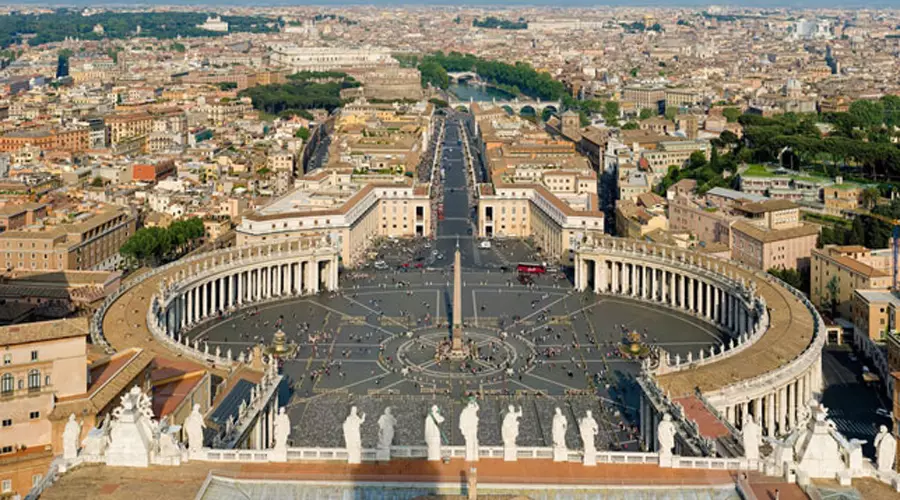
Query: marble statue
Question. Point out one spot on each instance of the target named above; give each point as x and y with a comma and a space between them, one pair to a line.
433, 433
282, 429
194, 426
468, 426
560, 426
588, 429
885, 450
133, 435
750, 436
665, 435
352, 438
71, 436
510, 432
386, 424
169, 449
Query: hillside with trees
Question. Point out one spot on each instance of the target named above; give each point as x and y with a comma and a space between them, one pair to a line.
63, 23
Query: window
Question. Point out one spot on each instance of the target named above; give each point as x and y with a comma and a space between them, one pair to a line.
34, 415
34, 355
6, 485
7, 422
7, 359
7, 383
34, 379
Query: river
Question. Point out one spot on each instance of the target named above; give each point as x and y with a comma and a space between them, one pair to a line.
464, 92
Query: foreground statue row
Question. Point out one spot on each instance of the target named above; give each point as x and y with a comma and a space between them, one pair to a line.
468, 427
130, 437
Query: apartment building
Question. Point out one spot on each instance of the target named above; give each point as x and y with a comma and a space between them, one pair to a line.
645, 215
850, 268
539, 187
16, 216
92, 242
874, 313
46, 139
770, 235
705, 224
42, 362
165, 126
645, 97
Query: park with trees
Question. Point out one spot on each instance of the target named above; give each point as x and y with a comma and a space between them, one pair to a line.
153, 246
65, 23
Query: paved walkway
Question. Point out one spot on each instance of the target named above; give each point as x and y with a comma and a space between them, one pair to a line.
113, 483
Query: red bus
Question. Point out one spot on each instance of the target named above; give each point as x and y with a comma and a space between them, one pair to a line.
531, 268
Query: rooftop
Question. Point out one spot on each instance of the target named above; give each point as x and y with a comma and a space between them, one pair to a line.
43, 331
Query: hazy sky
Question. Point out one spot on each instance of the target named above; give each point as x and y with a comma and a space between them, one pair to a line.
499, 3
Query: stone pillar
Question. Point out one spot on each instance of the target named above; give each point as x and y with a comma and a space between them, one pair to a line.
717, 313
770, 414
791, 403
654, 284
689, 292
615, 277
221, 282
314, 276
782, 410
671, 288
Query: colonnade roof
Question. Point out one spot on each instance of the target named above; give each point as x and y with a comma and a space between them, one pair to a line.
790, 332
125, 321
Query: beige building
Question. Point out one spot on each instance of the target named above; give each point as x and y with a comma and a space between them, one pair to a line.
635, 219
91, 243
771, 236
852, 268
874, 312
644, 97
334, 203
704, 224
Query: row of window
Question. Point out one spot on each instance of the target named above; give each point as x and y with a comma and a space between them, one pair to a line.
6, 484
7, 358
8, 382
7, 422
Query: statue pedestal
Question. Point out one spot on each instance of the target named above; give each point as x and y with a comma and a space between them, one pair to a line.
590, 458
383, 454
278, 455
510, 453
666, 461
560, 455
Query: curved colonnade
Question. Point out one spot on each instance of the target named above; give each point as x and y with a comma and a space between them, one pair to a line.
769, 368
187, 293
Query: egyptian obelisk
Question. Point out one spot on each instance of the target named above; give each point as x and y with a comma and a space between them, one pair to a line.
457, 333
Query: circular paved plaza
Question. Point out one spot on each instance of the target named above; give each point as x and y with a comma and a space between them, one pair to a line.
374, 343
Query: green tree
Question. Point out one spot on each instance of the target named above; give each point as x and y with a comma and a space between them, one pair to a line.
632, 125
671, 113
834, 293
731, 114
645, 114
869, 197
867, 113
302, 133
611, 113
97, 182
